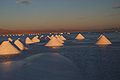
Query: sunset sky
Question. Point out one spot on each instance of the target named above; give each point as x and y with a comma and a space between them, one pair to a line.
59, 14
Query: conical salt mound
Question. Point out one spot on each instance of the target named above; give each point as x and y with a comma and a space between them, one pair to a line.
10, 39
100, 36
80, 37
28, 41
103, 41
19, 44
59, 40
35, 39
62, 38
6, 48
54, 43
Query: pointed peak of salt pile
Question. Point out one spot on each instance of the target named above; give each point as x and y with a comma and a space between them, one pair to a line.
100, 36
19, 44
35, 39
41, 36
80, 37
56, 36
6, 48
51, 36
10, 39
48, 37
61, 41
37, 36
62, 37
103, 40
28, 41
54, 43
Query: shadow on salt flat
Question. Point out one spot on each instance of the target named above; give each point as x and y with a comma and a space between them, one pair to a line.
50, 66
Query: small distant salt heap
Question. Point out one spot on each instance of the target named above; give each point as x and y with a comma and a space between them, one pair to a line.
68, 33
56, 36
61, 33
28, 41
102, 40
80, 37
19, 44
61, 37
6, 48
41, 36
35, 39
51, 36
10, 39
48, 37
54, 43
37, 36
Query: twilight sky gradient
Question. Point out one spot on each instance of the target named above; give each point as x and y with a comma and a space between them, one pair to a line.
59, 14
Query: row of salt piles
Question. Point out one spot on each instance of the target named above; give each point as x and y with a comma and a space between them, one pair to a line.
102, 40
55, 41
33, 40
7, 48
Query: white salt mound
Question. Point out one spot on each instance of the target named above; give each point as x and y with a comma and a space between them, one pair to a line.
19, 44
10, 39
35, 39
28, 41
6, 48
80, 37
103, 41
54, 43
62, 38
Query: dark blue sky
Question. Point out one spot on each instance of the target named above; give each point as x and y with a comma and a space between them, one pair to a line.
59, 14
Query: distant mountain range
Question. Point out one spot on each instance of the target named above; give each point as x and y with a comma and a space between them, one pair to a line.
17, 31
9, 31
